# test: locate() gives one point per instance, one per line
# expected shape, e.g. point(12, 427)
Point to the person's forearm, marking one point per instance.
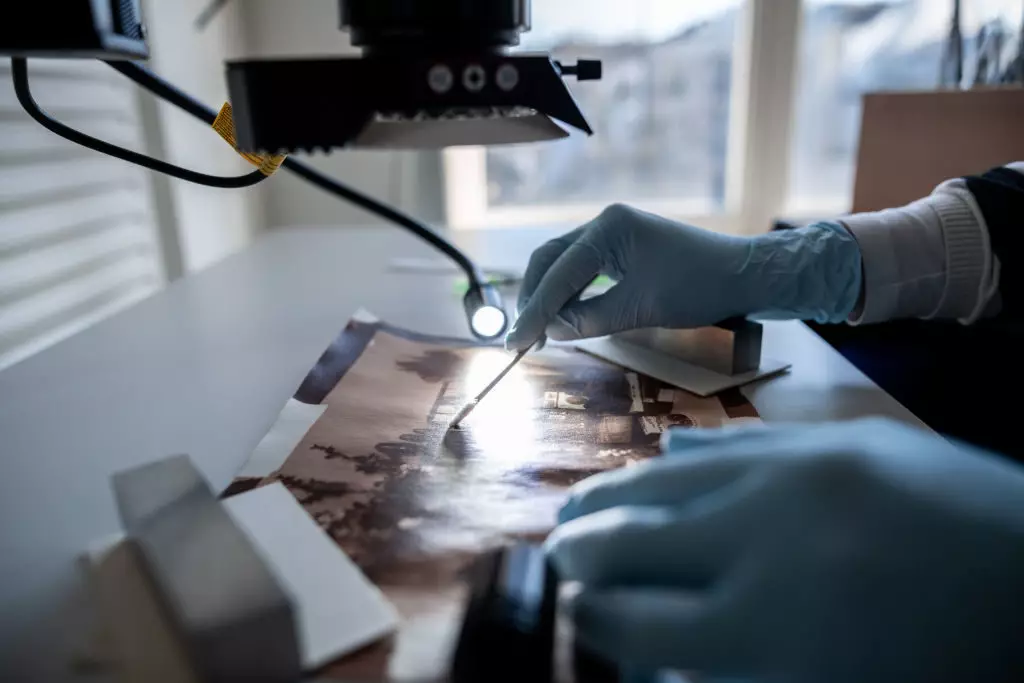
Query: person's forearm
point(929, 259)
point(936, 258)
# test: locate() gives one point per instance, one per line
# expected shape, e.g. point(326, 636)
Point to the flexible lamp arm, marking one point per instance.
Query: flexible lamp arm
point(480, 295)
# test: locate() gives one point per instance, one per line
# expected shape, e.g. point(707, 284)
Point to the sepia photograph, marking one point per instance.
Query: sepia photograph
point(413, 502)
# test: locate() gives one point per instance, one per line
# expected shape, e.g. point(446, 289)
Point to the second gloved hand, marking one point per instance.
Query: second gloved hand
point(839, 553)
point(669, 274)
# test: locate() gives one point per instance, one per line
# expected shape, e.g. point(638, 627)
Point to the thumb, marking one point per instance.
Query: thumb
point(616, 310)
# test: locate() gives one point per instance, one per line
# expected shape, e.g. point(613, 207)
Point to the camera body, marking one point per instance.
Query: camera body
point(435, 26)
point(433, 73)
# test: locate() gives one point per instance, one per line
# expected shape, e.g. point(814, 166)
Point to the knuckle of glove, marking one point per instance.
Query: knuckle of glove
point(618, 212)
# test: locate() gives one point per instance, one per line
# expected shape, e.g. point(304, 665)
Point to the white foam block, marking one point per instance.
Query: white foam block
point(338, 609)
point(292, 424)
point(693, 378)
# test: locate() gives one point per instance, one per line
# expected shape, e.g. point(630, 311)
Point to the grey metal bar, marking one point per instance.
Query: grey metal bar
point(730, 348)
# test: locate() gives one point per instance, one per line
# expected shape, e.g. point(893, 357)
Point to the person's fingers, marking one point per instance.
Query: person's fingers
point(662, 481)
point(541, 261)
point(646, 546)
point(652, 629)
point(554, 323)
point(614, 311)
point(570, 273)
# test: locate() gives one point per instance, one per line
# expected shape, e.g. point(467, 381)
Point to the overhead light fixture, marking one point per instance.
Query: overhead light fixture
point(432, 74)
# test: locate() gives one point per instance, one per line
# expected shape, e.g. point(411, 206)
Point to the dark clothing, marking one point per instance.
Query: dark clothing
point(962, 381)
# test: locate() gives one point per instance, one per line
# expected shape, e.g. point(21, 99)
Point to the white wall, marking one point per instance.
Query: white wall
point(409, 180)
point(205, 224)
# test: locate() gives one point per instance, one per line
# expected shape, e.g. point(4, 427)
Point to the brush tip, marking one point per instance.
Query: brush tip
point(456, 423)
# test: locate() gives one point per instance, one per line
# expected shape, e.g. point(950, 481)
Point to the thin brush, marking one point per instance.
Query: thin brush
point(469, 407)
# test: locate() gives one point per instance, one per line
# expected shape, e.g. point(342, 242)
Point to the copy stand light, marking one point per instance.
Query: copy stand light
point(433, 73)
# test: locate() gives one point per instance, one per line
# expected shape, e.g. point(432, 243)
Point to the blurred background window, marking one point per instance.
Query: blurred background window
point(851, 47)
point(660, 114)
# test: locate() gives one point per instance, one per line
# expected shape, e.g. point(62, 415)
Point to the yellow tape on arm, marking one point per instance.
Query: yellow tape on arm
point(224, 124)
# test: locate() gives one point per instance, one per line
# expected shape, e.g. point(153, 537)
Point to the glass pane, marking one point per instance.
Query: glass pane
point(850, 47)
point(660, 114)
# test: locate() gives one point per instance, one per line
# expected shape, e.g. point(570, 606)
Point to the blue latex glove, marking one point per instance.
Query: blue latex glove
point(673, 275)
point(856, 552)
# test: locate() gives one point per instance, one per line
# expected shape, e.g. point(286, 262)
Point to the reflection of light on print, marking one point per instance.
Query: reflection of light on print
point(503, 425)
point(483, 367)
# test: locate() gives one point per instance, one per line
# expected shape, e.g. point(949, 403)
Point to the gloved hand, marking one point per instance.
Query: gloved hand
point(673, 275)
point(865, 551)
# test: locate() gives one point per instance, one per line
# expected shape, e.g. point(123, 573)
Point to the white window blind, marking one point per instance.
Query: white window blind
point(78, 239)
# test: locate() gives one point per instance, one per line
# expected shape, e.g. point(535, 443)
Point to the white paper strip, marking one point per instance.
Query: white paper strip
point(292, 424)
point(337, 608)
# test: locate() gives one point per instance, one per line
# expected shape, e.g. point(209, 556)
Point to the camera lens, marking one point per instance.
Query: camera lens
point(435, 26)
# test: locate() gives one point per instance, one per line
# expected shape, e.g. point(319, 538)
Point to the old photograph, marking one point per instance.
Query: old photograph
point(412, 502)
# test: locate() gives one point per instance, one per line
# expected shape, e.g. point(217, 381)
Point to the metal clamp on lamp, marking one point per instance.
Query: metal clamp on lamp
point(431, 74)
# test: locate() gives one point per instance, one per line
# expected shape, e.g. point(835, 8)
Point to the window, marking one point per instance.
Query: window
point(659, 133)
point(850, 48)
point(725, 113)
point(660, 113)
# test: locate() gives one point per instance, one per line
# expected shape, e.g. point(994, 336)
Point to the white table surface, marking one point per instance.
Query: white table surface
point(205, 366)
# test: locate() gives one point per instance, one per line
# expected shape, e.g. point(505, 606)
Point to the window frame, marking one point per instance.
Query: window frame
point(762, 104)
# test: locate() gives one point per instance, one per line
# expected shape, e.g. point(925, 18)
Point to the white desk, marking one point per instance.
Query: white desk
point(204, 367)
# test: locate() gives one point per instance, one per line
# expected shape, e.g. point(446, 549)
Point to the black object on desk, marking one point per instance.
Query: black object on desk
point(509, 627)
